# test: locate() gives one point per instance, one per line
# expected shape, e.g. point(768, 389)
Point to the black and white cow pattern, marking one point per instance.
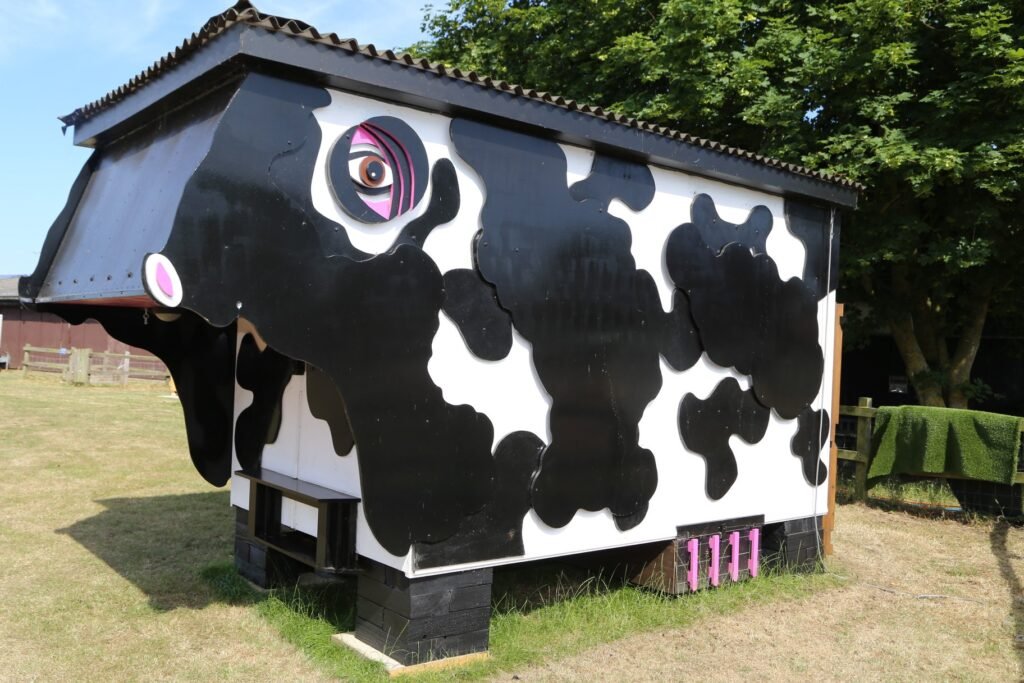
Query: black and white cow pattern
point(355, 296)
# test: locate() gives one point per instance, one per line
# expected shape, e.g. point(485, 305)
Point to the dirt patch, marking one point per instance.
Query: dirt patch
point(920, 599)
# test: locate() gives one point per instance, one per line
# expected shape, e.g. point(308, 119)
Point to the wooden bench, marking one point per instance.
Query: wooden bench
point(333, 549)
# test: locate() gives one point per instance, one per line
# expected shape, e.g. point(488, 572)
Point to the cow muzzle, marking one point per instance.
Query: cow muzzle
point(161, 281)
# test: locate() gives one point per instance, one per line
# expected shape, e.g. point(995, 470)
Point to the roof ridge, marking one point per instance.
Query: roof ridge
point(244, 12)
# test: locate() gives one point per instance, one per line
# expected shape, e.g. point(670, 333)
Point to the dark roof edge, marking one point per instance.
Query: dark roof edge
point(243, 35)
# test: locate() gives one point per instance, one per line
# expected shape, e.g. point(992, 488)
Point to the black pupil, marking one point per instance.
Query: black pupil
point(375, 170)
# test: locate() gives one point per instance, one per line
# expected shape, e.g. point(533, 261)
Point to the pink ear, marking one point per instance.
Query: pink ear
point(163, 280)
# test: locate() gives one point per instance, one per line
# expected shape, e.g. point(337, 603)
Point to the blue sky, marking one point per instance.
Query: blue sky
point(57, 55)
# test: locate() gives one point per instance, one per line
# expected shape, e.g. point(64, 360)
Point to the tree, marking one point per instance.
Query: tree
point(922, 101)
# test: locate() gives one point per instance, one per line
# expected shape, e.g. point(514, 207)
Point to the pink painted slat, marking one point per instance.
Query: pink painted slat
point(734, 561)
point(755, 547)
point(715, 544)
point(693, 546)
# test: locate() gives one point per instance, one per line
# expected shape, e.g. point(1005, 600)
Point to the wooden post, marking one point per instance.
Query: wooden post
point(80, 359)
point(126, 368)
point(829, 523)
point(25, 360)
point(860, 483)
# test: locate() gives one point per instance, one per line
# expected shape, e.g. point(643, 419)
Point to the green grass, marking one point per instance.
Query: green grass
point(902, 489)
point(540, 611)
point(119, 563)
point(305, 617)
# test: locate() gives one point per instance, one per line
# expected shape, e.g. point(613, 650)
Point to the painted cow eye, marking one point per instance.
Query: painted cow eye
point(369, 169)
point(378, 170)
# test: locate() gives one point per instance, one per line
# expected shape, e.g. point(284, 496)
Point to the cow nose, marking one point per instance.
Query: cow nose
point(162, 281)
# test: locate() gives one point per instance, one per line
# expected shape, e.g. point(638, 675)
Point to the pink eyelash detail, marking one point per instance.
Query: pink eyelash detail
point(376, 130)
point(372, 132)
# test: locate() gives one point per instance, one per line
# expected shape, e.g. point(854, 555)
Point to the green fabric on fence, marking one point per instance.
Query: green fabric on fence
point(923, 440)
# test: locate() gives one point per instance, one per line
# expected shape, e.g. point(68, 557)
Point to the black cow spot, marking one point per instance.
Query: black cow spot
point(811, 224)
point(707, 425)
point(472, 304)
point(326, 403)
point(561, 265)
point(201, 360)
point(810, 437)
point(496, 530)
point(717, 233)
point(266, 374)
point(750, 319)
point(632, 184)
point(681, 345)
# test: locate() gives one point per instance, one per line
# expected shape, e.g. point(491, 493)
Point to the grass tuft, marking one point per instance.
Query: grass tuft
point(228, 585)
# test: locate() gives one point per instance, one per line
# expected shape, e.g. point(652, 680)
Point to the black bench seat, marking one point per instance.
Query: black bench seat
point(333, 549)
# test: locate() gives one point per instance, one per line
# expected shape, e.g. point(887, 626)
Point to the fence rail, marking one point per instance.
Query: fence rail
point(85, 366)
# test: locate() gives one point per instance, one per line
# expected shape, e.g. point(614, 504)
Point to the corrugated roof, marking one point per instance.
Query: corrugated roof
point(243, 12)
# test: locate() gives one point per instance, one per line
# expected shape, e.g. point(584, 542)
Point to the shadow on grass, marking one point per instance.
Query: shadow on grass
point(178, 550)
point(922, 510)
point(997, 540)
point(160, 543)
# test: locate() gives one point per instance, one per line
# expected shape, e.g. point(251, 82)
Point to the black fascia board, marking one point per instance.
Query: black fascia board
point(293, 57)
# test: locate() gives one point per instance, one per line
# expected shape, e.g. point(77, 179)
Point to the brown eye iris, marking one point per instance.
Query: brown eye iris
point(372, 171)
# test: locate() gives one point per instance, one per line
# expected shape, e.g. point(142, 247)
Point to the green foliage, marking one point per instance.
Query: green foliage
point(920, 100)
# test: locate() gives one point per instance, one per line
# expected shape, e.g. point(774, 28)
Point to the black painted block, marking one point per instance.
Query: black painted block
point(794, 544)
point(408, 604)
point(409, 651)
point(443, 624)
point(431, 584)
point(421, 619)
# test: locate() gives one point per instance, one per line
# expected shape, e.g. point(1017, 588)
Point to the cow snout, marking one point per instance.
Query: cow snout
point(162, 281)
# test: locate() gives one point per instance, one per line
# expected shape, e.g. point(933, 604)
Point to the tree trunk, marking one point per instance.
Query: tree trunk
point(967, 348)
point(929, 392)
point(908, 341)
point(943, 381)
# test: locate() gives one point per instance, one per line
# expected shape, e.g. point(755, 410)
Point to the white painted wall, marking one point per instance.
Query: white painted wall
point(770, 480)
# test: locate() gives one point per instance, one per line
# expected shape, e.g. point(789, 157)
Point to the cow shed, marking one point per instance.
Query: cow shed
point(427, 323)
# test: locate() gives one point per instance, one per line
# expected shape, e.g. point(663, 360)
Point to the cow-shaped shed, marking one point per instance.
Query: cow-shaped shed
point(427, 324)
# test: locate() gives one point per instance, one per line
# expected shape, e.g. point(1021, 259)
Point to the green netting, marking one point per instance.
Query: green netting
point(967, 443)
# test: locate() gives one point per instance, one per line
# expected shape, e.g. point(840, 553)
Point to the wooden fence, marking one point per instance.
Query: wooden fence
point(85, 366)
point(864, 413)
point(860, 455)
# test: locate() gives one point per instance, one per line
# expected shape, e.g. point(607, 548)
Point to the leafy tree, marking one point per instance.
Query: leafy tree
point(920, 100)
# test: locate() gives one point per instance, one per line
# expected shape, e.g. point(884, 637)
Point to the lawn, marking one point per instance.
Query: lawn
point(116, 564)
